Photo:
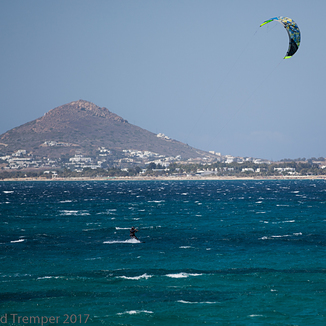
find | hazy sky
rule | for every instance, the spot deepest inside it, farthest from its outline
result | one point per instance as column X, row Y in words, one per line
column 202, row 72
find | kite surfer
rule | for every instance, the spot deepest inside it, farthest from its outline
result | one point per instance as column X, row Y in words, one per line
column 132, row 233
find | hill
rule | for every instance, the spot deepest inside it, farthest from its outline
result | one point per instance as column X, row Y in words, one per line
column 83, row 127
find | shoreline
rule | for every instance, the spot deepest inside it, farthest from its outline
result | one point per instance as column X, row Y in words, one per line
column 171, row 178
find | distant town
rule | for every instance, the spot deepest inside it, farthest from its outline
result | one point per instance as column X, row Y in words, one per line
column 133, row 162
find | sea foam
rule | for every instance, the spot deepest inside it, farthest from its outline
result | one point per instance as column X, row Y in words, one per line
column 182, row 275
column 125, row 241
column 135, row 312
column 145, row 276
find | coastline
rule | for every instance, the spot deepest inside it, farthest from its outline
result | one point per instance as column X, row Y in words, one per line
column 171, row 178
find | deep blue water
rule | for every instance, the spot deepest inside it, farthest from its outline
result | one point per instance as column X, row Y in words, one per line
column 214, row 252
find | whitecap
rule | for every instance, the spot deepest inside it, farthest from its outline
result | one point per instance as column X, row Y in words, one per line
column 16, row 241
column 183, row 301
column 134, row 312
column 65, row 212
column 69, row 213
column 125, row 241
column 8, row 192
column 280, row 236
column 194, row 302
column 46, row 277
column 181, row 275
column 255, row 316
column 288, row 221
column 145, row 276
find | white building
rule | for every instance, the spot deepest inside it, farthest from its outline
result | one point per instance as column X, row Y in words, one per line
column 80, row 159
column 20, row 152
column 160, row 135
column 247, row 170
column 288, row 170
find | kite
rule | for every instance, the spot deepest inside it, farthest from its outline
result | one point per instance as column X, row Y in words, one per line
column 293, row 31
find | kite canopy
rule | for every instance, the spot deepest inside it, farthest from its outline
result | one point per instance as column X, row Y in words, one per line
column 293, row 32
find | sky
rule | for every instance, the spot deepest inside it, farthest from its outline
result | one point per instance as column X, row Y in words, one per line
column 200, row 71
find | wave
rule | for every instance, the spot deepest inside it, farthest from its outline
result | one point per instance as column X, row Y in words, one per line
column 135, row 312
column 182, row 275
column 255, row 316
column 280, row 236
column 145, row 276
column 69, row 213
column 16, row 241
column 48, row 277
column 288, row 221
column 125, row 241
column 195, row 302
column 278, row 222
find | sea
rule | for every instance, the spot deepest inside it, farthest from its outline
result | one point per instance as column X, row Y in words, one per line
column 242, row 252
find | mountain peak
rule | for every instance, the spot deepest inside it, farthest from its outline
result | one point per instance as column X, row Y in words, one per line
column 84, row 127
column 82, row 109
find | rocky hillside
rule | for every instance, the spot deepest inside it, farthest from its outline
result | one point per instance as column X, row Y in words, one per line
column 83, row 127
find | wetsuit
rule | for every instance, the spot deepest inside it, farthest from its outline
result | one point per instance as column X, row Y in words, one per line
column 132, row 233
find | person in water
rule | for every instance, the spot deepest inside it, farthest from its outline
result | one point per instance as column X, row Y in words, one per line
column 132, row 233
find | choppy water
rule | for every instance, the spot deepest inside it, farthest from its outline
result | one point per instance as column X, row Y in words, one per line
column 215, row 252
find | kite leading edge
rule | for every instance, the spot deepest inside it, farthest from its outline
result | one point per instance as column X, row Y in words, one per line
column 293, row 32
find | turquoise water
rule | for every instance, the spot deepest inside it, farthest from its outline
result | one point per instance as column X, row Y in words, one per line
column 212, row 253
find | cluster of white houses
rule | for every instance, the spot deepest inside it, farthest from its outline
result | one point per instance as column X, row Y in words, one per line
column 20, row 159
